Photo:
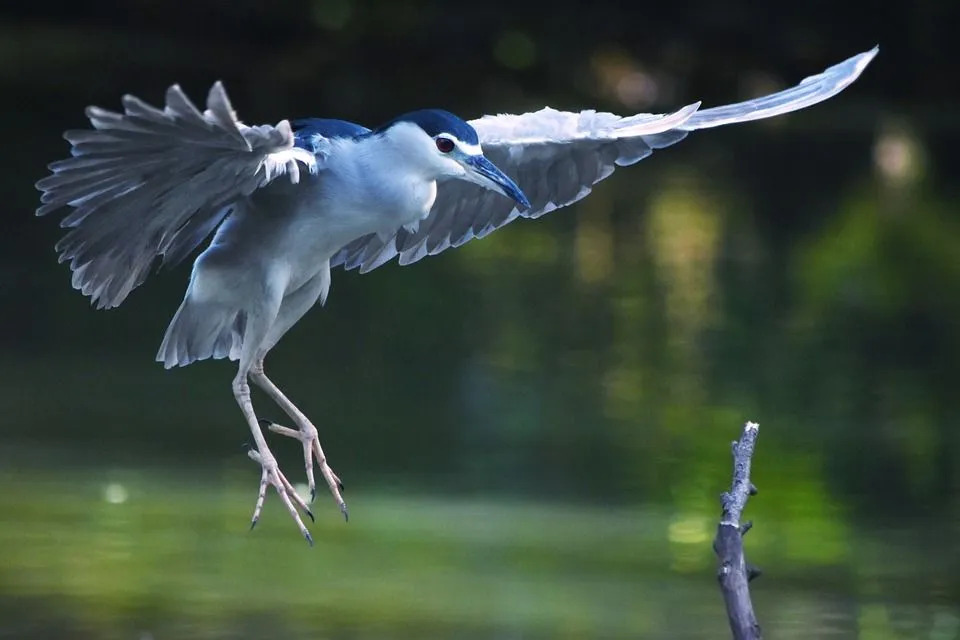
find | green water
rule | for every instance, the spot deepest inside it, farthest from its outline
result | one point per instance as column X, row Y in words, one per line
column 125, row 553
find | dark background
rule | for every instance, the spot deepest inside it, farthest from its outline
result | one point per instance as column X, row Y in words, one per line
column 533, row 429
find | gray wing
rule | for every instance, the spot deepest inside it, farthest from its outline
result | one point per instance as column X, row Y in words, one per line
column 809, row 92
column 148, row 182
column 556, row 157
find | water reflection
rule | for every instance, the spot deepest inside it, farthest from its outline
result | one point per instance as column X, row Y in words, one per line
column 173, row 558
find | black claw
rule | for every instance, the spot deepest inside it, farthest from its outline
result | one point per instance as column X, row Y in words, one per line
column 253, row 523
column 340, row 486
column 265, row 423
column 313, row 494
column 746, row 526
column 306, row 534
column 753, row 572
column 753, row 489
column 343, row 510
column 310, row 515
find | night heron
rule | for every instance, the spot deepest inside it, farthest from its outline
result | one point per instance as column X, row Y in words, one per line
column 149, row 183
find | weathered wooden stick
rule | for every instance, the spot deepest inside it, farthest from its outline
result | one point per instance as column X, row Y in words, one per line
column 733, row 572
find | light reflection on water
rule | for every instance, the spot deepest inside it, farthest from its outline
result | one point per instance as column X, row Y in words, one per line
column 173, row 559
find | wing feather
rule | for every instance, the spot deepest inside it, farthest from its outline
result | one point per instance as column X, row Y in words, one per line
column 810, row 91
column 152, row 182
column 556, row 157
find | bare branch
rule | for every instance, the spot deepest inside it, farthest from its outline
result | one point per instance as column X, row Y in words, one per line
column 733, row 571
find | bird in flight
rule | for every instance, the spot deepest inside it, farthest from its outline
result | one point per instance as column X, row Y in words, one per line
column 287, row 203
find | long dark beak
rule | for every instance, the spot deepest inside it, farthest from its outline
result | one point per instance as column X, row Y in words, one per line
column 493, row 178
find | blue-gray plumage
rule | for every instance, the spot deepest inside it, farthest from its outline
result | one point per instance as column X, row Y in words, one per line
column 150, row 184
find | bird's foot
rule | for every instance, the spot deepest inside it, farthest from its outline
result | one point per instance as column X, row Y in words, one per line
column 288, row 495
column 310, row 440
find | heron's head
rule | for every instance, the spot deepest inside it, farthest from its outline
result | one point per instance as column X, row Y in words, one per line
column 445, row 146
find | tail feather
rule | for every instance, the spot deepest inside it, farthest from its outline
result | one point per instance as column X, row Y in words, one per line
column 201, row 330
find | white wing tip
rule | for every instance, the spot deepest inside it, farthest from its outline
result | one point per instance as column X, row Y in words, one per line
column 858, row 63
column 865, row 58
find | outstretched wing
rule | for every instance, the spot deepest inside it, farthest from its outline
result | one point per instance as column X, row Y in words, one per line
column 148, row 182
column 556, row 157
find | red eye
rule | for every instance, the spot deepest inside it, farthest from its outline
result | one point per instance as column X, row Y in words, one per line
column 445, row 145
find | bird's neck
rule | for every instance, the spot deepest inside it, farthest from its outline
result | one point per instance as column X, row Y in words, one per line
column 390, row 181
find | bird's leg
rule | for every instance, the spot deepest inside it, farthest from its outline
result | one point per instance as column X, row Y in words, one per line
column 271, row 474
column 307, row 434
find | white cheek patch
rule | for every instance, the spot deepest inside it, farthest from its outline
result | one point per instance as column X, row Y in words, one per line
column 469, row 149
